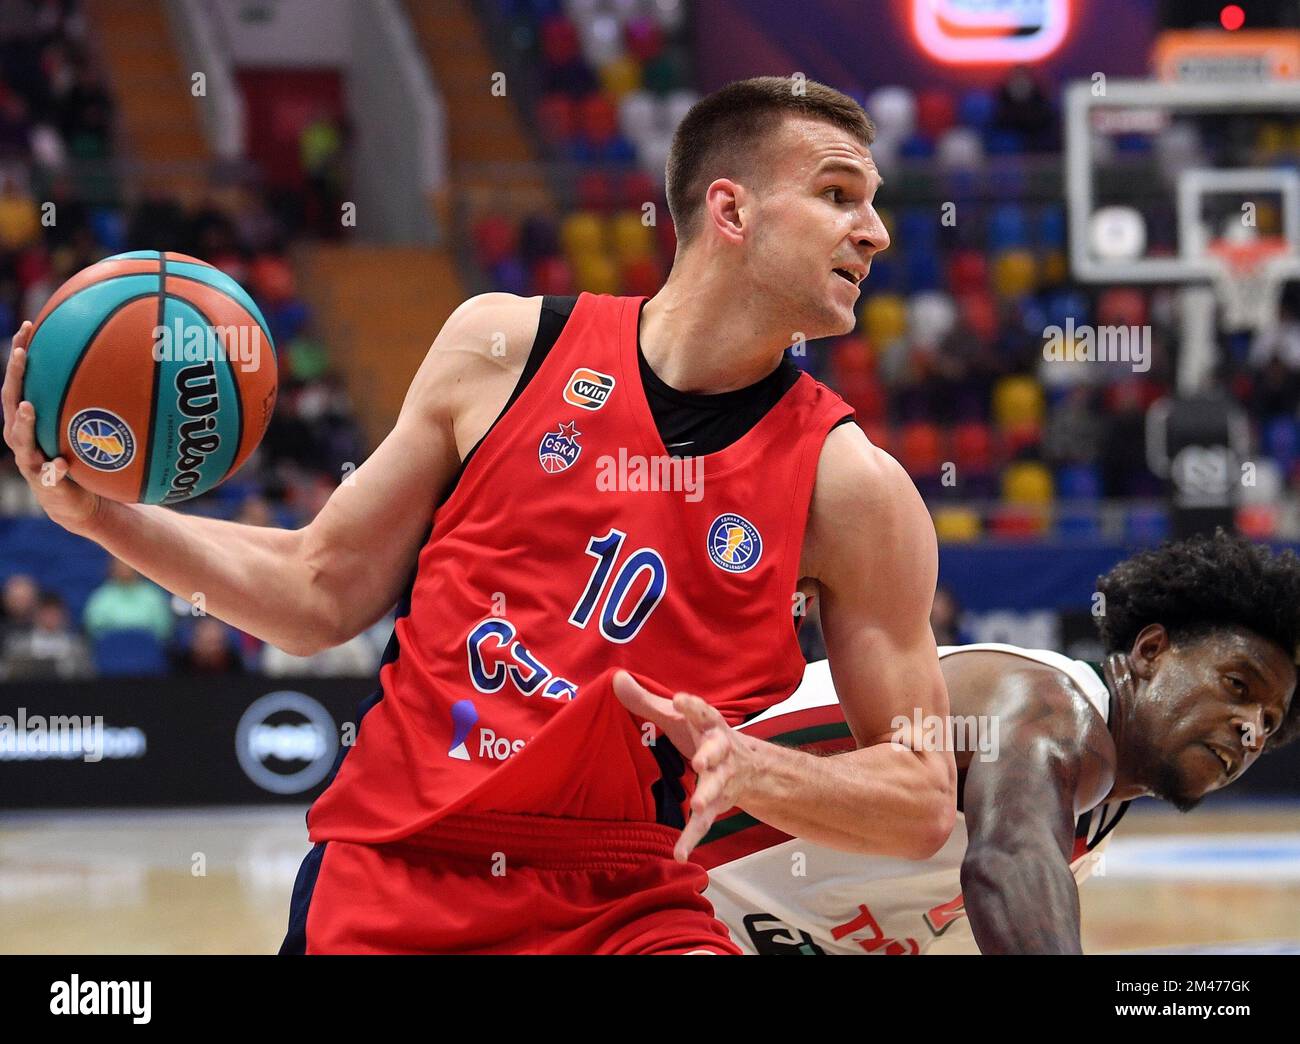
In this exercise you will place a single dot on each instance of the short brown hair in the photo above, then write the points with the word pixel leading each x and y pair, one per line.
pixel 721 132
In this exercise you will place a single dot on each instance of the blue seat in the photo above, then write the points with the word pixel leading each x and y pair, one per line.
pixel 1078 524
pixel 1078 482
pixel 1051 227
pixel 129 653
pixel 1282 441
pixel 1147 525
pixel 1008 227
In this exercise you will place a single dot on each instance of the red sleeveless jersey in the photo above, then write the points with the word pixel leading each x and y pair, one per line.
pixel 560 557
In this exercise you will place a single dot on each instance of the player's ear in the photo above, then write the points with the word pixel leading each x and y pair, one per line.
pixel 1150 643
pixel 722 202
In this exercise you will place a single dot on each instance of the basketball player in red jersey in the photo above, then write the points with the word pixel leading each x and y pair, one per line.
pixel 499 797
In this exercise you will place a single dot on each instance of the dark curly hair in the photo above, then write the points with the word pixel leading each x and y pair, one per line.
pixel 1203 584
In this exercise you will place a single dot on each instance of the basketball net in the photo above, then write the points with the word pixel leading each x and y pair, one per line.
pixel 1249 282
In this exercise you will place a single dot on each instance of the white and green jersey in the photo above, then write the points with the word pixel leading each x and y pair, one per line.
pixel 780 894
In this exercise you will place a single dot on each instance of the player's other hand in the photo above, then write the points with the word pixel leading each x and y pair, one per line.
pixel 59 497
pixel 720 756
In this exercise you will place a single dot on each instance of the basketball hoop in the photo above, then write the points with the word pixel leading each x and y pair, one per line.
pixel 1249 280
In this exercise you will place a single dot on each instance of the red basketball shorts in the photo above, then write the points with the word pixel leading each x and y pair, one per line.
pixel 506 883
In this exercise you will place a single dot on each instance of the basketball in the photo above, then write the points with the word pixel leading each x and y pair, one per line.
pixel 153 374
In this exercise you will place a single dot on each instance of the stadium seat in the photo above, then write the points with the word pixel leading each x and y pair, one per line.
pixel 553 275
pixel 1017 401
pixel 920 449
pixel 935 112
pixel 1078 523
pixel 595 191
pixel 1078 482
pixel 884 319
pixel 1015 273
pixel 1027 482
pixel 129 653
pixel 630 238
pixel 972 448
pixel 582 233
pixel 1017 522
pixel 620 77
pixel 953 525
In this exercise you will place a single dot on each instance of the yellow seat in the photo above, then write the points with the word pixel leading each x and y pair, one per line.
pixel 884 319
pixel 1015 273
pixel 1017 402
pixel 630 238
pixel 955 525
pixel 582 232
pixel 596 273
pixel 1027 482
pixel 620 77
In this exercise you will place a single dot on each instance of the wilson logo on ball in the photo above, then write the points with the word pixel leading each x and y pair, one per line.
pixel 559 449
pixel 196 398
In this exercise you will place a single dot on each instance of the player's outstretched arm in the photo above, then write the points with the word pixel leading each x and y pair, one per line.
pixel 874 554
pixel 305 590
pixel 1020 810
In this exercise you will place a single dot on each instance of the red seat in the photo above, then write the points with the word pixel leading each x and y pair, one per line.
pixel 595 191
pixel 559 40
pixel 557 118
pixel 920 449
pixel 552 275
pixel 972 447
pixel 598 119
pixel 494 240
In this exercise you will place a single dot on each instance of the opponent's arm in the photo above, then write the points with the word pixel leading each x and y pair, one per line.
pixel 1020 813
pixel 876 561
pixel 305 590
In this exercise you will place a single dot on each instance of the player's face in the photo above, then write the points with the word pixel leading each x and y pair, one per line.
pixel 1212 704
pixel 814 214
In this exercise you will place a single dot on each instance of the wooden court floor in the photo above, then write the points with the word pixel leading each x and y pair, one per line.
pixel 218 881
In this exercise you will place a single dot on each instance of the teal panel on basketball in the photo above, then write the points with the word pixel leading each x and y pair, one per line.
pixel 57 348
pixel 218 280
pixel 196 426
pixel 136 255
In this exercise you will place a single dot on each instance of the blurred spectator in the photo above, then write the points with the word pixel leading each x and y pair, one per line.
pixel 944 616
pixel 20 220
pixel 48 648
pixel 20 598
pixel 210 650
pixel 127 602
pixel 358 656
pixel 1074 430
pixel 320 152
pixel 1024 108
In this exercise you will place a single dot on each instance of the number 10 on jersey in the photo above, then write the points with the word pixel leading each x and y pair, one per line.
pixel 617 621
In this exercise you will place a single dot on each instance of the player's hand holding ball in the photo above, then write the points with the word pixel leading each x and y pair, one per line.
pixel 147 378
pixel 719 754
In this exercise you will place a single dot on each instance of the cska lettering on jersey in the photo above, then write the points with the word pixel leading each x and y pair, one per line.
pixel 496 656
pixel 537 583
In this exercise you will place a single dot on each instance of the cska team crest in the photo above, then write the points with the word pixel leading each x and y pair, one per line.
pixel 559 449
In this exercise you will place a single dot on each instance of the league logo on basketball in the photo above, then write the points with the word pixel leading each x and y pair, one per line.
pixel 734 543
pixel 588 389
pixel 559 449
pixel 101 440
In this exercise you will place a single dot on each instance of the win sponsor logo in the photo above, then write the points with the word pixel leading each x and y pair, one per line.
pixel 588 389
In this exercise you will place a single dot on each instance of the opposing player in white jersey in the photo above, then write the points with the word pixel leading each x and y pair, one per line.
pixel 1201 641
